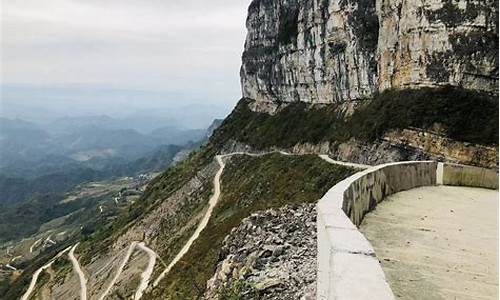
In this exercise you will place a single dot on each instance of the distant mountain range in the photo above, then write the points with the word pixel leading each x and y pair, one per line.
pixel 87 139
pixel 55 157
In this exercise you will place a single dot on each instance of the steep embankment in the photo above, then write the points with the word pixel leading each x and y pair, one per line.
pixel 270 255
pixel 301 179
pixel 249 184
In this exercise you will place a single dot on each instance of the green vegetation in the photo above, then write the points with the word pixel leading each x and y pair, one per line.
pixel 161 188
pixel 464 115
pixel 17 287
pixel 234 292
pixel 19 189
pixel 39 199
pixel 294 124
pixel 249 184
pixel 23 219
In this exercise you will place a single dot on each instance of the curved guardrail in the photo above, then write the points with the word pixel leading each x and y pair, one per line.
pixel 347 265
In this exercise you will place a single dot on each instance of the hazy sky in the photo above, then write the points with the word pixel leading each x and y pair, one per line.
pixel 188 48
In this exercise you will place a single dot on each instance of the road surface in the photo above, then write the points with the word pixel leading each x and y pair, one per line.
pixel 146 275
pixel 34 245
pixel 343 163
pixel 31 287
pixel 437 242
pixel 203 223
pixel 119 271
pixel 79 272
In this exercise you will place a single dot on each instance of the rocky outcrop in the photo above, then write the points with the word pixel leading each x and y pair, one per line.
pixel 316 51
pixel 440 148
pixel 331 51
pixel 436 42
pixel 270 255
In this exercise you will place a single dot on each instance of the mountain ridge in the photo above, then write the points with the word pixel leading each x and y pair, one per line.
pixel 316 83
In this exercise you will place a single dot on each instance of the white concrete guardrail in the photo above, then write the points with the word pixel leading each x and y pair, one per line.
pixel 347 265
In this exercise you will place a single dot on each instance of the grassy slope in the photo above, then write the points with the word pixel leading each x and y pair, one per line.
pixel 276 180
pixel 249 184
pixel 464 115
pixel 97 242
pixel 158 190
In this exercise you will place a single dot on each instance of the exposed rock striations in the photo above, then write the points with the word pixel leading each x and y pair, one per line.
pixel 314 51
pixel 429 43
pixel 331 51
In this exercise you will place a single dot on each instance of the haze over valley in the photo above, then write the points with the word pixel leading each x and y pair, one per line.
pixel 249 149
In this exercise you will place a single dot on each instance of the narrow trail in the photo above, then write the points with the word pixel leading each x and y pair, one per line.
pixel 146 275
pixel 48 240
pixel 327 158
pixel 79 272
pixel 37 273
pixel 119 271
pixel 15 258
pixel 203 223
pixel 215 197
pixel 34 245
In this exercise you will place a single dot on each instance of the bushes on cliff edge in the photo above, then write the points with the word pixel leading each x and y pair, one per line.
pixel 463 115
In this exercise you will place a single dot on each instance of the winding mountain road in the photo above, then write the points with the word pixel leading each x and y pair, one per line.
pixel 79 272
pixel 34 279
pixel 343 163
pixel 34 245
pixel 203 223
pixel 147 273
pixel 120 270
pixel 215 198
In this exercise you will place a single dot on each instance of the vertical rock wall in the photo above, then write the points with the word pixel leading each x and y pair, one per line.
pixel 436 42
pixel 336 51
pixel 315 51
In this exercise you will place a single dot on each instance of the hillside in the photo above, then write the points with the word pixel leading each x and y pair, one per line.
pixel 236 218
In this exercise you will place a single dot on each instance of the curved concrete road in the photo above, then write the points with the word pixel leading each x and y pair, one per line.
pixel 343 163
pixel 437 242
pixel 31 287
pixel 211 204
pixel 79 272
pixel 146 275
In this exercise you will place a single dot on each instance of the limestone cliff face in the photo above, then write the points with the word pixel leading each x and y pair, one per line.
pixel 435 42
pixel 336 51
